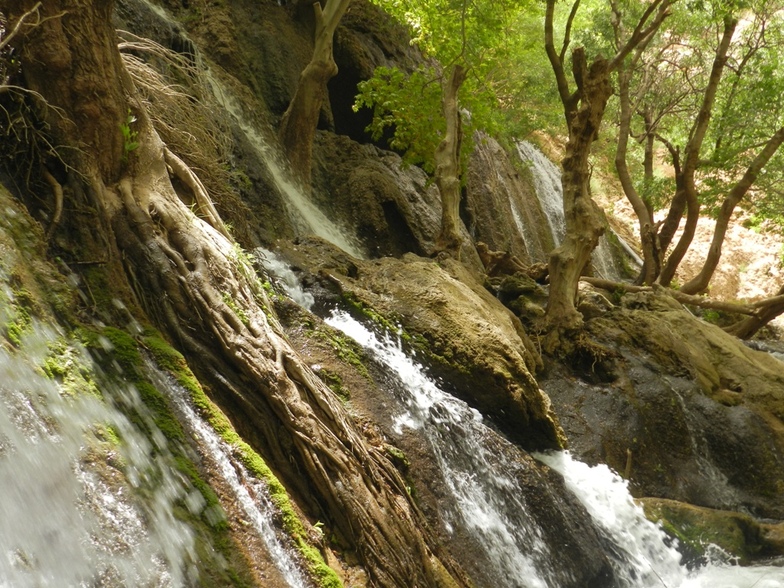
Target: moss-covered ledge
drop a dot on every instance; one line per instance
(697, 529)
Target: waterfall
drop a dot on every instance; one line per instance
(305, 215)
(488, 500)
(547, 181)
(643, 557)
(71, 514)
(251, 494)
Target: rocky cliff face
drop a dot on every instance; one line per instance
(682, 409)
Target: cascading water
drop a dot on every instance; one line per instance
(71, 514)
(281, 272)
(488, 501)
(250, 493)
(644, 559)
(547, 181)
(305, 215)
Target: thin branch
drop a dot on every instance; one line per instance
(19, 24)
(568, 30)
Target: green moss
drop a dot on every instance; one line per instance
(171, 360)
(347, 350)
(66, 364)
(124, 349)
(335, 383)
(697, 528)
(20, 310)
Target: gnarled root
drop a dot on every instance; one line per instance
(211, 305)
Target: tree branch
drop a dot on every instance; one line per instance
(17, 27)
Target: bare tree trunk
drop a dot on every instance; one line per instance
(208, 300)
(700, 282)
(298, 126)
(648, 237)
(584, 219)
(447, 161)
(691, 159)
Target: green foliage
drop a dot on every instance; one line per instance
(409, 106)
(130, 136)
(476, 34)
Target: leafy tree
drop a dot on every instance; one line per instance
(461, 37)
(583, 110)
(720, 125)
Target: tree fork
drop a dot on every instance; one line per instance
(298, 125)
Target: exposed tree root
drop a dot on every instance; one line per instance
(752, 309)
(207, 302)
(57, 192)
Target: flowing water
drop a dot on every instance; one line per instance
(251, 494)
(547, 181)
(284, 277)
(71, 515)
(490, 504)
(304, 214)
(487, 501)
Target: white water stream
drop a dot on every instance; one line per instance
(70, 514)
(490, 503)
(487, 500)
(304, 214)
(547, 181)
(251, 494)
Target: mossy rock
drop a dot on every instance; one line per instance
(697, 529)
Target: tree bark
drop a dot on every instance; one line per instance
(298, 125)
(185, 271)
(447, 162)
(692, 154)
(583, 218)
(700, 282)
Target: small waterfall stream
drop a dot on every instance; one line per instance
(250, 493)
(547, 181)
(488, 501)
(305, 215)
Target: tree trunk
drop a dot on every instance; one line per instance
(691, 160)
(584, 219)
(298, 125)
(447, 161)
(192, 284)
(700, 282)
(648, 237)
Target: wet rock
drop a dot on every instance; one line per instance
(505, 212)
(465, 336)
(700, 413)
(698, 529)
(392, 209)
